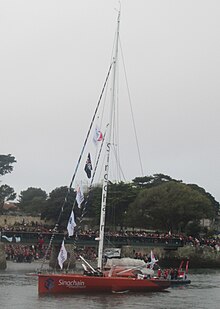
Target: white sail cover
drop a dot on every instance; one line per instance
(130, 263)
(124, 262)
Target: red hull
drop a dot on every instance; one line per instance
(76, 283)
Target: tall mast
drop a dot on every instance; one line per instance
(108, 147)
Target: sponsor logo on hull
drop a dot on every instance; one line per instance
(73, 284)
(49, 284)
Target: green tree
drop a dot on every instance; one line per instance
(6, 162)
(93, 202)
(56, 202)
(120, 195)
(152, 181)
(32, 200)
(169, 206)
(215, 204)
(6, 192)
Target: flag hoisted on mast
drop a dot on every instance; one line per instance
(153, 260)
(79, 196)
(62, 257)
(97, 137)
(88, 166)
(71, 224)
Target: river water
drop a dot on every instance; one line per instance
(19, 290)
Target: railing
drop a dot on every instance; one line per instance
(90, 240)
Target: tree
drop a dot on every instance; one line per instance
(119, 196)
(93, 202)
(169, 206)
(6, 194)
(56, 201)
(6, 162)
(32, 200)
(215, 204)
(152, 181)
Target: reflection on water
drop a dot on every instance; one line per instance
(19, 290)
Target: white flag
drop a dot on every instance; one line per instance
(79, 196)
(71, 224)
(153, 260)
(62, 256)
(97, 137)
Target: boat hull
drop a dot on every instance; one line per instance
(179, 282)
(76, 283)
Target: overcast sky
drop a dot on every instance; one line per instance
(54, 56)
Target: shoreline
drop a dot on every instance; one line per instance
(20, 267)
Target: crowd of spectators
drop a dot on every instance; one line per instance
(88, 253)
(37, 250)
(24, 253)
(156, 237)
(32, 227)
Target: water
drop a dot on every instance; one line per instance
(17, 290)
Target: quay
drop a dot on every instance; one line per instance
(172, 243)
(169, 250)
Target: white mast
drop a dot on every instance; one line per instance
(108, 146)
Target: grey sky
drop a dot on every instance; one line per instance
(54, 56)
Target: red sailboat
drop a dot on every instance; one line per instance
(76, 283)
(98, 280)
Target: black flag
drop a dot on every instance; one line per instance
(88, 166)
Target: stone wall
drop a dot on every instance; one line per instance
(2, 257)
(199, 257)
(10, 220)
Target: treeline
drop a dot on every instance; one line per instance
(151, 202)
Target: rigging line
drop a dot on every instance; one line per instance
(77, 166)
(84, 210)
(106, 88)
(93, 118)
(132, 114)
(92, 180)
(47, 251)
(86, 139)
(116, 149)
(107, 159)
(119, 164)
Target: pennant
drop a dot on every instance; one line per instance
(88, 166)
(97, 136)
(71, 224)
(79, 196)
(153, 260)
(62, 256)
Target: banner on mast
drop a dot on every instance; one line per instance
(71, 224)
(62, 256)
(79, 196)
(153, 260)
(88, 166)
(97, 137)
